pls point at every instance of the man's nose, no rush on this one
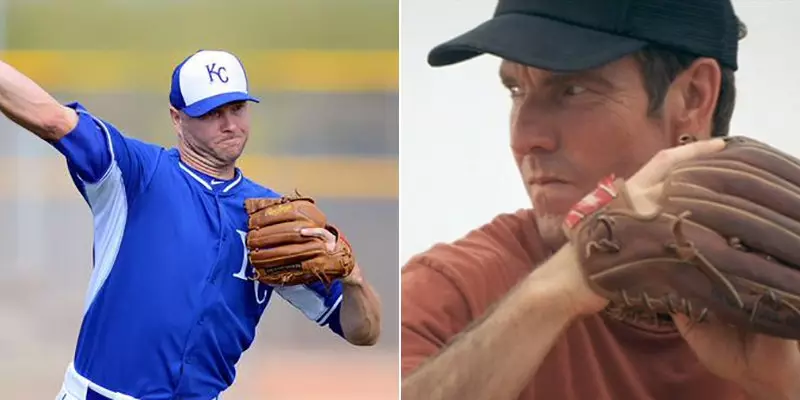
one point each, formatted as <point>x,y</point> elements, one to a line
<point>533,128</point>
<point>228,121</point>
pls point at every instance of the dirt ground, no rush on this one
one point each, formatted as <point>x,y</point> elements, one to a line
<point>298,362</point>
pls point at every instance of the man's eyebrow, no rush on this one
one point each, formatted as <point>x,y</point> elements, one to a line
<point>506,78</point>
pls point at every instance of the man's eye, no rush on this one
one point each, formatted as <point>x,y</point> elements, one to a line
<point>515,91</point>
<point>573,90</point>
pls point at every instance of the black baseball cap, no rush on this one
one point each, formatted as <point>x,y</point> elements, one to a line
<point>575,35</point>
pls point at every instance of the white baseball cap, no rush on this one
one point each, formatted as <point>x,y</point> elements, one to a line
<point>206,80</point>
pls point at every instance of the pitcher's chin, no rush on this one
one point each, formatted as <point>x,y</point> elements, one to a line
<point>549,227</point>
<point>554,202</point>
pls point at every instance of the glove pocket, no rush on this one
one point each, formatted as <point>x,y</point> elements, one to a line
<point>656,285</point>
<point>619,249</point>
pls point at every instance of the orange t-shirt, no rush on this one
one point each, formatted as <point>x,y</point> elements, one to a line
<point>450,285</point>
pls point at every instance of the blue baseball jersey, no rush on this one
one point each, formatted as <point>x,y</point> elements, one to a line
<point>169,308</point>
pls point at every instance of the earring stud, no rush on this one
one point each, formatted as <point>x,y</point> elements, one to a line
<point>686,139</point>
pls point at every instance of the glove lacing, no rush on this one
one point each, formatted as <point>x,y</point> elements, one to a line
<point>687,252</point>
<point>769,295</point>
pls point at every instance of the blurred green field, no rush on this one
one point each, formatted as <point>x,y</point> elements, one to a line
<point>236,25</point>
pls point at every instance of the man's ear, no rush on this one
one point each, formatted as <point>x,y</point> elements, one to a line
<point>692,99</point>
<point>175,116</point>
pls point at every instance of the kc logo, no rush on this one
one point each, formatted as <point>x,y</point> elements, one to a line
<point>221,73</point>
<point>261,291</point>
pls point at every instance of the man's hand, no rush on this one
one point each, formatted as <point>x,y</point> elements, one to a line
<point>354,278</point>
<point>765,367</point>
<point>328,236</point>
<point>644,188</point>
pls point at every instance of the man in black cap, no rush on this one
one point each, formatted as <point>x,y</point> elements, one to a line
<point>598,87</point>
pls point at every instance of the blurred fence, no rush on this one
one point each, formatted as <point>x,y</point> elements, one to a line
<point>326,72</point>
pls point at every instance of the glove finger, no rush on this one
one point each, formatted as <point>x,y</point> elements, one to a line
<point>264,214</point>
<point>289,254</point>
<point>742,202</point>
<point>754,175</point>
<point>259,241</point>
<point>262,219</point>
<point>275,235</point>
<point>739,224</point>
<point>255,205</point>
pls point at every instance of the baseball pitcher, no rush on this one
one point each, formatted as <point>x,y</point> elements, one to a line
<point>173,299</point>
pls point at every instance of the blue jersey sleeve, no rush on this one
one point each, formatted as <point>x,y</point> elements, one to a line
<point>320,304</point>
<point>97,151</point>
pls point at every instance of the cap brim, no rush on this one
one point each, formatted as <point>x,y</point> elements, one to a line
<point>205,106</point>
<point>537,42</point>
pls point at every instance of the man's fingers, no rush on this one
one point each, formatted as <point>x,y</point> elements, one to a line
<point>645,201</point>
<point>326,235</point>
<point>682,322</point>
<point>653,193</point>
<point>655,170</point>
<point>318,232</point>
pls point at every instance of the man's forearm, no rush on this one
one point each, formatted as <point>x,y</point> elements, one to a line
<point>31,107</point>
<point>496,357</point>
<point>360,315</point>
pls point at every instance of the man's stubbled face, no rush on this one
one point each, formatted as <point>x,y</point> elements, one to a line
<point>568,131</point>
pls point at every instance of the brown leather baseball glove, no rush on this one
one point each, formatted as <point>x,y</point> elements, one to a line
<point>278,252</point>
<point>724,244</point>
